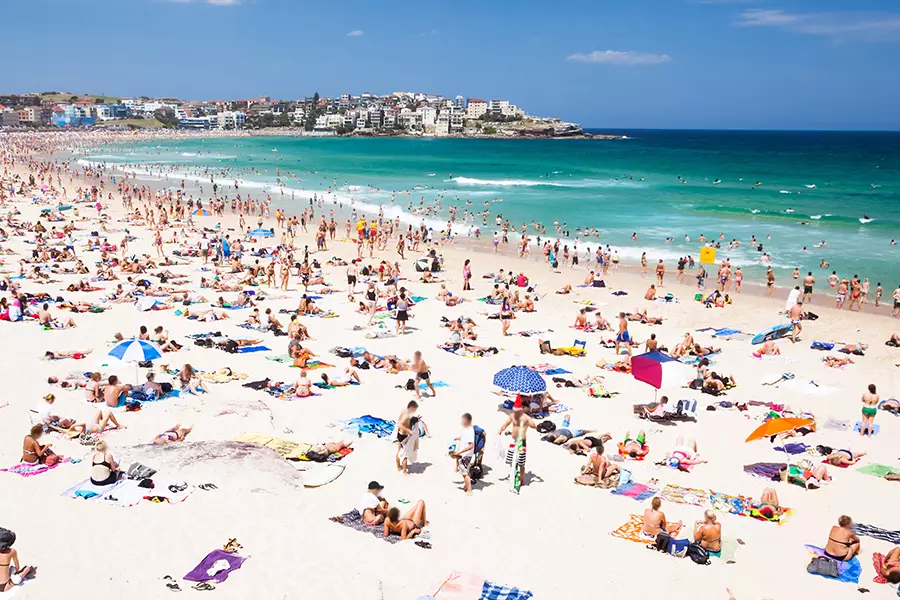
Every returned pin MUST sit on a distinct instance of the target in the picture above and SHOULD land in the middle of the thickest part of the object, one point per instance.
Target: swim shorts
(623, 337)
(510, 453)
(807, 289)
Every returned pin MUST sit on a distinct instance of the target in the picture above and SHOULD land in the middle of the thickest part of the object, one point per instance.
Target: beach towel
(632, 531)
(885, 535)
(409, 447)
(284, 448)
(765, 470)
(848, 571)
(556, 371)
(215, 566)
(878, 564)
(249, 349)
(878, 470)
(836, 424)
(799, 448)
(327, 386)
(822, 346)
(635, 491)
(369, 424)
(30, 470)
(353, 520)
(683, 495)
(876, 428)
(436, 384)
(495, 591)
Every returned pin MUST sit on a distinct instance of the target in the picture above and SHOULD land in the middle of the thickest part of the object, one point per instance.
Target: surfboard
(773, 333)
(515, 479)
(314, 478)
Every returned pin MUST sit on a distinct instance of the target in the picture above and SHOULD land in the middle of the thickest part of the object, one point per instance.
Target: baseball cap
(374, 485)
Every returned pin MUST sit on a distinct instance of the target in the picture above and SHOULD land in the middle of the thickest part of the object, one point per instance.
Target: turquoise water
(659, 184)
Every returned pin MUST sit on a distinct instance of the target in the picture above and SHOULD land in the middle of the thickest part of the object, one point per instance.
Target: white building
(428, 116)
(476, 108)
(231, 119)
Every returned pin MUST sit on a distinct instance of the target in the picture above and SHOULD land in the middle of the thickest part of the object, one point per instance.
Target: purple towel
(792, 448)
(199, 573)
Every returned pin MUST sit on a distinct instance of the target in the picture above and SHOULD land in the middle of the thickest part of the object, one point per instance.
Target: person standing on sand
(422, 374)
(467, 276)
(517, 419)
(623, 337)
(407, 437)
(870, 400)
(896, 295)
(841, 296)
(796, 313)
(808, 283)
(770, 281)
(878, 292)
(660, 273)
(465, 451)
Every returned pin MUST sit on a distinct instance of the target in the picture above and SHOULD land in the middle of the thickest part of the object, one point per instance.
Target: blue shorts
(623, 338)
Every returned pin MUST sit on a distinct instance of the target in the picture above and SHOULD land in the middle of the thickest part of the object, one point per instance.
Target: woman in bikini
(173, 434)
(708, 533)
(655, 521)
(32, 450)
(104, 468)
(11, 573)
(890, 568)
(844, 458)
(506, 314)
(842, 542)
(409, 525)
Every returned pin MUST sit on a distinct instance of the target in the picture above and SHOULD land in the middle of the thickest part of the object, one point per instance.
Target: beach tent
(261, 233)
(658, 370)
(521, 380)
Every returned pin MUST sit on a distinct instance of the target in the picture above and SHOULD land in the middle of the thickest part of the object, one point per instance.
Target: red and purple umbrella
(658, 369)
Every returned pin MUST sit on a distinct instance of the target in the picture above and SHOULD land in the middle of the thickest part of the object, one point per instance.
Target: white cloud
(355, 33)
(430, 32)
(620, 57)
(850, 24)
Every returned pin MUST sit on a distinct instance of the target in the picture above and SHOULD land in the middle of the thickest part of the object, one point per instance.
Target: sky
(714, 64)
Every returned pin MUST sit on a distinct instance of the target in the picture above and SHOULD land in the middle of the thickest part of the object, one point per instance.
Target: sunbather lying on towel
(844, 458)
(636, 448)
(173, 434)
(641, 317)
(407, 526)
(585, 444)
(890, 566)
(341, 380)
(655, 521)
(837, 361)
(806, 474)
(768, 507)
(699, 350)
(566, 289)
(684, 455)
(769, 349)
(855, 349)
(894, 341)
(59, 355)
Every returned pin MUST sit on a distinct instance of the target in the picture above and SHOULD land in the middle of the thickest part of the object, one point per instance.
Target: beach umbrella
(136, 351)
(202, 212)
(520, 379)
(658, 370)
(779, 427)
(261, 233)
(423, 264)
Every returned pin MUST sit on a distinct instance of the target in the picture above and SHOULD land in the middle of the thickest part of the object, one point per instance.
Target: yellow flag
(708, 256)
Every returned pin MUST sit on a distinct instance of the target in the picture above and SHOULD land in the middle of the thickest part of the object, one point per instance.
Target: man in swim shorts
(795, 313)
(634, 448)
(517, 419)
(870, 401)
(623, 337)
(808, 283)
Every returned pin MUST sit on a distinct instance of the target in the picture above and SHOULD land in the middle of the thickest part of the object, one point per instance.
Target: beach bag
(823, 566)
(663, 541)
(698, 554)
(411, 384)
(166, 387)
(480, 440)
(139, 471)
(546, 427)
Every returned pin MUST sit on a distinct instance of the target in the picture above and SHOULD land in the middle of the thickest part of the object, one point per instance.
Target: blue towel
(726, 332)
(248, 349)
(437, 384)
(848, 571)
(792, 448)
(875, 427)
(495, 591)
(417, 299)
(557, 372)
(822, 346)
(369, 424)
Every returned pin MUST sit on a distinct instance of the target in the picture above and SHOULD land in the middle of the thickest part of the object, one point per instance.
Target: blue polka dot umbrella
(521, 380)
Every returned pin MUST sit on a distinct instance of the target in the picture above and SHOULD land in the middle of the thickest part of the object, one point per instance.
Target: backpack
(480, 440)
(663, 540)
(410, 384)
(698, 554)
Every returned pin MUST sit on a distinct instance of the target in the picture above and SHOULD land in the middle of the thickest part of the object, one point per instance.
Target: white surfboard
(324, 475)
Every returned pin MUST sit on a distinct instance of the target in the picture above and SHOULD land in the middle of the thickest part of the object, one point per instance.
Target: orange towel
(632, 531)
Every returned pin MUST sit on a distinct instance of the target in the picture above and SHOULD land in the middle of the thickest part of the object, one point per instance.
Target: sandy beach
(553, 538)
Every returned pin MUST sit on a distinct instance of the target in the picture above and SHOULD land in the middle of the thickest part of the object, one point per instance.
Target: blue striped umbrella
(261, 233)
(135, 351)
(520, 379)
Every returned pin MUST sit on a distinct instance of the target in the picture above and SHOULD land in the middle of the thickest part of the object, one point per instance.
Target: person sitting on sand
(60, 354)
(189, 381)
(890, 566)
(300, 355)
(114, 391)
(589, 279)
(769, 348)
(844, 458)
(600, 324)
(172, 434)
(684, 347)
(161, 337)
(104, 468)
(636, 448)
(708, 533)
(581, 320)
(599, 466)
(344, 380)
(11, 572)
(684, 455)
(33, 451)
(407, 526)
(50, 322)
(373, 508)
(304, 386)
(717, 383)
(651, 292)
(654, 521)
(842, 543)
(526, 305)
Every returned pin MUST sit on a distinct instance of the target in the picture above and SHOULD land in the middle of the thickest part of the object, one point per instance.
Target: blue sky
(755, 64)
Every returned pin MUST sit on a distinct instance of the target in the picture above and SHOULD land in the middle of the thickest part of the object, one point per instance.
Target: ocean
(791, 190)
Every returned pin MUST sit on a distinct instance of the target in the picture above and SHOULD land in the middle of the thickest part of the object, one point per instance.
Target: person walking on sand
(422, 374)
(407, 437)
(467, 276)
(465, 451)
(517, 419)
(623, 337)
(870, 400)
(796, 314)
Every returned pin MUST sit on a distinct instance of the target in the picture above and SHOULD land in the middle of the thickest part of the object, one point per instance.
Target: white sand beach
(552, 538)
